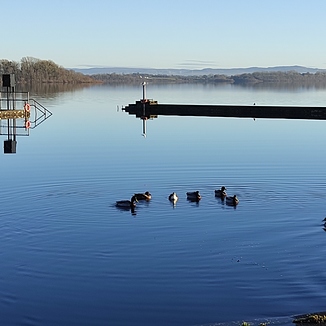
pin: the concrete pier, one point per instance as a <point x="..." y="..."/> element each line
<point x="146" y="109"/>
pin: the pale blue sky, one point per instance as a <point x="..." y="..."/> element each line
<point x="166" y="33"/>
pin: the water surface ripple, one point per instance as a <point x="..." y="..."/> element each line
<point x="70" y="256"/>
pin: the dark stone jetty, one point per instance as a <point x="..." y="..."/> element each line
<point x="146" y="109"/>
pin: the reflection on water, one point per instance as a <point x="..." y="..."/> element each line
<point x="68" y="248"/>
<point x="285" y="87"/>
<point x="50" y="90"/>
<point x="19" y="113"/>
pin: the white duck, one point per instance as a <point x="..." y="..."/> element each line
<point x="173" y="197"/>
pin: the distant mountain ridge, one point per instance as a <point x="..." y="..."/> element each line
<point x="195" y="72"/>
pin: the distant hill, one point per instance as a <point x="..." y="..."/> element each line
<point x="195" y="72"/>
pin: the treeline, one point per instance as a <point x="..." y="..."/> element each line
<point x="257" y="78"/>
<point x="35" y="71"/>
<point x="290" y="77"/>
<point x="136" y="78"/>
<point x="31" y="70"/>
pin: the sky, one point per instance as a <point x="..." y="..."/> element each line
<point x="190" y="34"/>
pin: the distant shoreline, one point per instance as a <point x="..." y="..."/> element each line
<point x="194" y="72"/>
<point x="291" y="78"/>
<point x="35" y="71"/>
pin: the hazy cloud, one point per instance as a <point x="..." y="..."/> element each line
<point x="197" y="64"/>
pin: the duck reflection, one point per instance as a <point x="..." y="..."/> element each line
<point x="324" y="224"/>
<point x="131" y="209"/>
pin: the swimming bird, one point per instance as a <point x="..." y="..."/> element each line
<point x="173" y="197"/>
<point x="127" y="203"/>
<point x="144" y="196"/>
<point x="232" y="200"/>
<point x="221" y="192"/>
<point x="194" y="196"/>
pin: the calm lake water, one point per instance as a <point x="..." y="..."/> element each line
<point x="70" y="257"/>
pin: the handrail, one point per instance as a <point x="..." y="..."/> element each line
<point x="21" y="113"/>
<point x="45" y="113"/>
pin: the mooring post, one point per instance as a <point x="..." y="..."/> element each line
<point x="144" y="91"/>
<point x="144" y="109"/>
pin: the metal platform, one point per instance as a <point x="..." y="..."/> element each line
<point x="147" y="109"/>
<point x="19" y="113"/>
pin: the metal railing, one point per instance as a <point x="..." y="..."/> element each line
<point x="19" y="113"/>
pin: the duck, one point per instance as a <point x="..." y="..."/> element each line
<point x="127" y="203"/>
<point x="232" y="200"/>
<point x="194" y="196"/>
<point x="173" y="197"/>
<point x="221" y="193"/>
<point x="144" y="196"/>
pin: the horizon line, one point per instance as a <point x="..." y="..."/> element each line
<point x="131" y="67"/>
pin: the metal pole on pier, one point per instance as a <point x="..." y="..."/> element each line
<point x="144" y="109"/>
<point x="144" y="91"/>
